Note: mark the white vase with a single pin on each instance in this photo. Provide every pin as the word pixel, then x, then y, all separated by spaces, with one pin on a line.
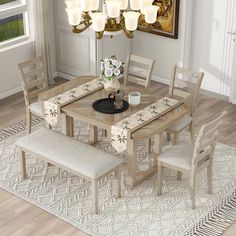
pixel 112 85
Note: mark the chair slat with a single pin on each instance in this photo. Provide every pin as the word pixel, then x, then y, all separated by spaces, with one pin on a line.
pixel 138 67
pixel 36 83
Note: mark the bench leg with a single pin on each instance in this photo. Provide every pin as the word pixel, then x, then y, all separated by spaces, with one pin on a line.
pixel 118 177
pixel 94 189
pixel 23 164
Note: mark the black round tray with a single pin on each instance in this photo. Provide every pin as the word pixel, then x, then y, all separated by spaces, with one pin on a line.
pixel 106 106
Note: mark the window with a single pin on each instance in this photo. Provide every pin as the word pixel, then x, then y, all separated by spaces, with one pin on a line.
pixel 13 22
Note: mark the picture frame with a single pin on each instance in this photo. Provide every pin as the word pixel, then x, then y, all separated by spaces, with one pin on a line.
pixel 167 19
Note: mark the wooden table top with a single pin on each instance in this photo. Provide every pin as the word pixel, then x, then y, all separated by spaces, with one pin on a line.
pixel 82 109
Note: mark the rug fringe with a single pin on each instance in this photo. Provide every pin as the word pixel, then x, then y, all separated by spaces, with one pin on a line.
pixel 217 220
pixel 17 128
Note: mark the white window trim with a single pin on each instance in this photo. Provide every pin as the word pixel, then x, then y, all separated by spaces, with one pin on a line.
pixel 11 9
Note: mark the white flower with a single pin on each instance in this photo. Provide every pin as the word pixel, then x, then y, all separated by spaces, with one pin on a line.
pixel 116 71
pixel 106 60
pixel 115 63
pixel 119 64
pixel 111 67
pixel 107 65
pixel 108 72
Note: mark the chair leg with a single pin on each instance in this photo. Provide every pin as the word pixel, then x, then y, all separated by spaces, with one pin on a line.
pixel 159 183
pixel 28 119
pixel 23 164
pixel 193 190
pixel 209 178
pixel 148 143
pixel 179 175
pixel 104 133
pixel 175 137
pixel 118 176
pixel 168 136
pixel 191 132
pixel 94 195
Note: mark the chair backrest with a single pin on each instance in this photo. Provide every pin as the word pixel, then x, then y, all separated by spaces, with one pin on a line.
pixel 138 70
pixel 206 140
pixel 33 78
pixel 186 83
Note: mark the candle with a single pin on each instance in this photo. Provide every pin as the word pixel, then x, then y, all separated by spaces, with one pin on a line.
pixel 131 20
pixel 74 16
pixel 113 8
pixel 151 14
pixel 99 20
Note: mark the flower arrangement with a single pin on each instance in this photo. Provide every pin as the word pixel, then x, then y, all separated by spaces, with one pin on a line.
pixel 111 67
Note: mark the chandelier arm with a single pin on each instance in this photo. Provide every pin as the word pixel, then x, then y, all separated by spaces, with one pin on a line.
pixel 85 25
pixel 99 35
pixel 128 34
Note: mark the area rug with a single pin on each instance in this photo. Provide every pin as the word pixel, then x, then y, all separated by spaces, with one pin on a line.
pixel 140 211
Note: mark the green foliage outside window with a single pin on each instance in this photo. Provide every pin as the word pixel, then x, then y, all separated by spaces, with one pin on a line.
pixel 6 1
pixel 11 27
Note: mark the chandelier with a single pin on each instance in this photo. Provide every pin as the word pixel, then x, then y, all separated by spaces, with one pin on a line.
pixel 110 16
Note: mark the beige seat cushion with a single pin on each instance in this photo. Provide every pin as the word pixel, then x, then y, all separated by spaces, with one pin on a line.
pixel 67 152
pixel 36 108
pixel 178 156
pixel 181 124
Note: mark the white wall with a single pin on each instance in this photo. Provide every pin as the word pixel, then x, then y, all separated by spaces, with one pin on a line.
pixel 10 82
pixel 165 51
pixel 212 46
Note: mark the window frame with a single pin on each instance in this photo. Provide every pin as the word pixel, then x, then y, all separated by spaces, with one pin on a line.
pixel 11 9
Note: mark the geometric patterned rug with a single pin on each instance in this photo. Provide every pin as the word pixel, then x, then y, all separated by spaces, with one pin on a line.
pixel 140 211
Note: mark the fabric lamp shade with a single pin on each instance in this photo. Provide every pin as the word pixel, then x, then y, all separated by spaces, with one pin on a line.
pixel 131 20
pixel 74 15
pixel 113 8
pixel 150 13
pixel 99 21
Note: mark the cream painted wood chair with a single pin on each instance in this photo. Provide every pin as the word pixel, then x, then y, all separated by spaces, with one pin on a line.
pixel 34 81
pixel 185 83
pixel 138 70
pixel 189 159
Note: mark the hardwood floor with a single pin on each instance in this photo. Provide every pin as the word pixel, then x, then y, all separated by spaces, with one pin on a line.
pixel 20 218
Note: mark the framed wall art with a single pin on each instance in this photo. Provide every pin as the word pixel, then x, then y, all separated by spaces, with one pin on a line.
pixel 167 19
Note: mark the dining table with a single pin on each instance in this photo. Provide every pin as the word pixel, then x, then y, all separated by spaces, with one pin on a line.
pixel 82 110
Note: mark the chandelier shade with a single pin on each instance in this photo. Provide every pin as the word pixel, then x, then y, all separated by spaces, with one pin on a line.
pixel 110 16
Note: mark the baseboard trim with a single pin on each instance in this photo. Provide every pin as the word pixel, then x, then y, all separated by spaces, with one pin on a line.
pixel 233 100
pixel 65 76
pixel 10 92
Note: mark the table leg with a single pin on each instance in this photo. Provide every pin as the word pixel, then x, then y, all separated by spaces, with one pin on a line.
pixel 93 134
pixel 132 163
pixel 67 125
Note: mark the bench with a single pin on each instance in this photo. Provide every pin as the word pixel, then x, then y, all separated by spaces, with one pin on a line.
pixel 76 157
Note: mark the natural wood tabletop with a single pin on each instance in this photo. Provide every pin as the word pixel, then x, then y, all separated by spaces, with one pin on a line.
pixel 82 110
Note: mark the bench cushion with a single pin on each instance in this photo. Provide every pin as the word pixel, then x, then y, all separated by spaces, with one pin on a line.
pixel 79 157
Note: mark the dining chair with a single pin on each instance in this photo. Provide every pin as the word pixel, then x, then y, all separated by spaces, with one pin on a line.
pixel 191 159
pixel 138 70
pixel 185 83
pixel 34 81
